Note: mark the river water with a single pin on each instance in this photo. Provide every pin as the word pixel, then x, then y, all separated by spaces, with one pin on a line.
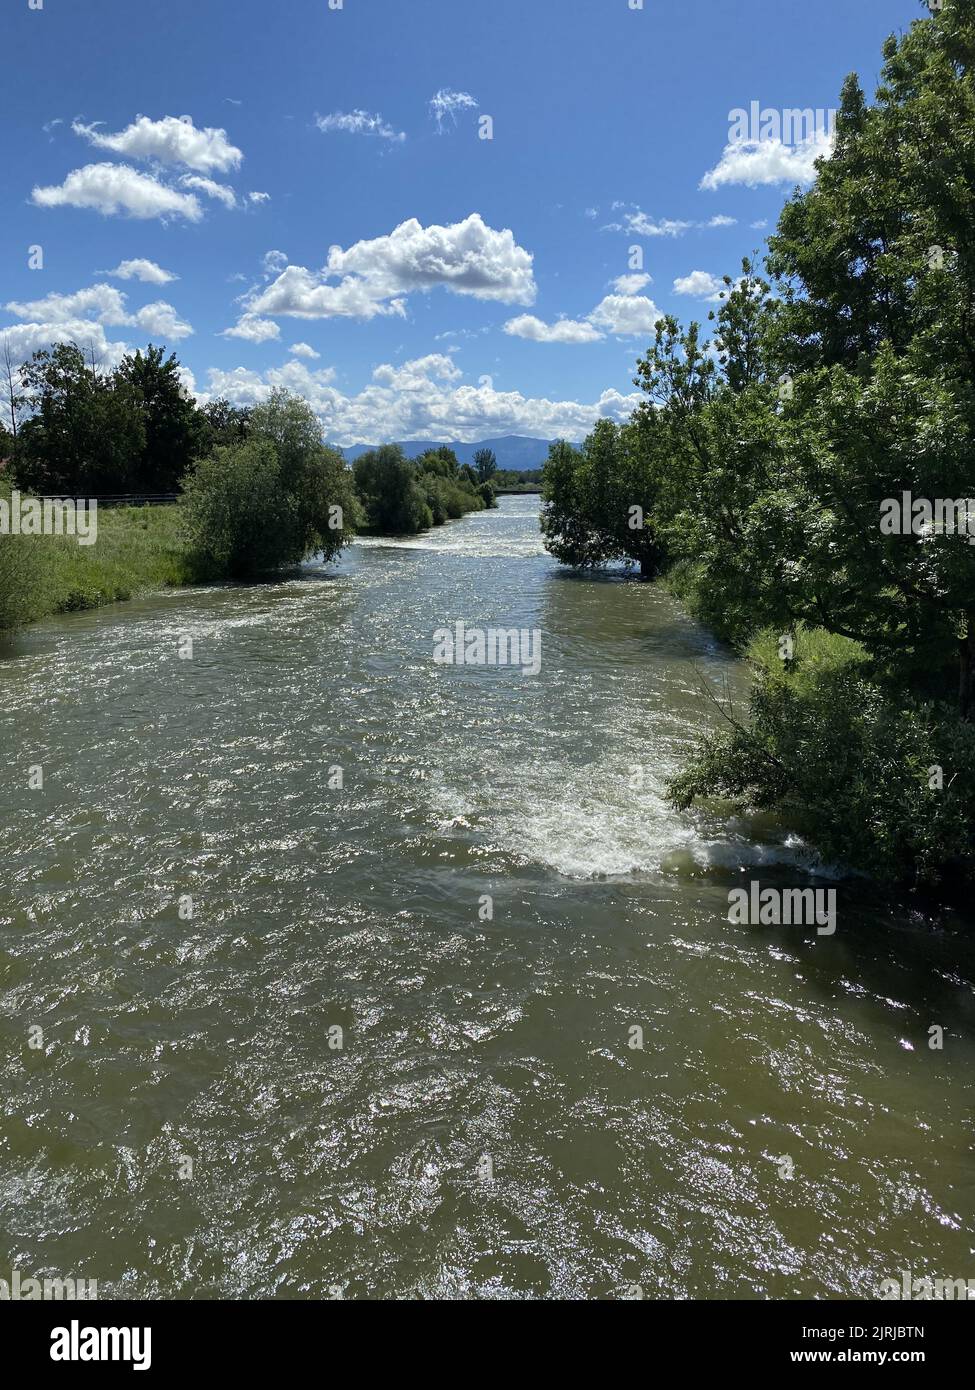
pixel 474 876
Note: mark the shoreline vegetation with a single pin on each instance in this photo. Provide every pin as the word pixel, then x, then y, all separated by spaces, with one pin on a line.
pixel 258 491
pixel 759 476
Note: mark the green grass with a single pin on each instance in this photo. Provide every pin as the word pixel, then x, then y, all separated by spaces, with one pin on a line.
pixel 138 549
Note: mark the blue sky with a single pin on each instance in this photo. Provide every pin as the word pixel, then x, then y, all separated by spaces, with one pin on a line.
pixel 478 286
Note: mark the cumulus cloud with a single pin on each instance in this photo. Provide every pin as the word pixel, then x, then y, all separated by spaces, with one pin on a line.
pixel 468 258
pixel 253 329
pixel 302 293
pixel 101 305
pixel 359 123
pixel 147 271
pixel 172 140
pixel 700 283
pixel 258 197
pixel 118 188
pixel 160 320
pixel 446 104
pixel 623 314
pixel 23 339
pixel 626 315
pixel 425 398
pixel 562 331
pixel 631 284
pixel 303 350
pixel 756 162
pixel 222 192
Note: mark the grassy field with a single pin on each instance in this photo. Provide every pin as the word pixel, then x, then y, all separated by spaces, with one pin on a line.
pixel 138 549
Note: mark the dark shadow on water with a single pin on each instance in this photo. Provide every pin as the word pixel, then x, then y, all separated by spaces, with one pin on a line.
pixel 567 574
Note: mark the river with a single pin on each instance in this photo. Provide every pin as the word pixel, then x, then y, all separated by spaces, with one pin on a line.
pixel 336 955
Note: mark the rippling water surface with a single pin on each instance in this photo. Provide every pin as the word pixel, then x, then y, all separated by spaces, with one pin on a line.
pixel 363 1170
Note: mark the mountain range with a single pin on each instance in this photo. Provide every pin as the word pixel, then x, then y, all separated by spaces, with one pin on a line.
pixel 513 451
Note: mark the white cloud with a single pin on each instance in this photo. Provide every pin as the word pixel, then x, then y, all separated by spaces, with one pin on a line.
pixel 172 140
pixel 425 398
pixel 415 375
pixel 99 303
pixel 755 162
pixel 562 331
pixel 304 294
pixel 27 338
pixel 160 320
pixel 117 188
pixel 631 284
pixel 221 191
pixel 700 283
pixel 147 271
pixel 258 197
pixel 303 350
pixel 626 315
pixel 637 223
pixel 760 225
pixel 467 258
pixel 447 103
pixel 359 123
pixel 274 262
pixel 102 305
pixel 253 329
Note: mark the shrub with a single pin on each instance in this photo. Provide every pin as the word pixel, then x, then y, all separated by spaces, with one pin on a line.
pixel 238 517
pixel 857 772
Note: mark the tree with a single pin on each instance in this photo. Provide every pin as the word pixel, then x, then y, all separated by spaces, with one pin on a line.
pixel 324 505
pixel 272 500
pixel 876 265
pixel 393 500
pixel 850 387
pixel 224 423
pixel 85 431
pixel 10 398
pixel 173 427
pixel 597 506
pixel 238 515
pixel 486 464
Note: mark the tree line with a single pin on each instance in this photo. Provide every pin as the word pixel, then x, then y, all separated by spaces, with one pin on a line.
pixel 259 489
pixel 755 477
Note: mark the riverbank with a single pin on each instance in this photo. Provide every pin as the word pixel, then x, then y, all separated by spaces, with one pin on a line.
pixel 138 550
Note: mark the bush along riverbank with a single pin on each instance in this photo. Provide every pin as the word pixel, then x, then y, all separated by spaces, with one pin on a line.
pixel 802 477
pixel 265 495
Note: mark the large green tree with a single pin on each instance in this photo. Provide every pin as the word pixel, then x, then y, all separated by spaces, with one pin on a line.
pixel 85 432
pixel 173 426
pixel 272 500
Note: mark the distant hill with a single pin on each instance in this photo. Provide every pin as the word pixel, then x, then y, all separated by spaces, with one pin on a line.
pixel 514 451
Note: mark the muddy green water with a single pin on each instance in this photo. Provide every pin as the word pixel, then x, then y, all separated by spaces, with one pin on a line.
pixel 363 1170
